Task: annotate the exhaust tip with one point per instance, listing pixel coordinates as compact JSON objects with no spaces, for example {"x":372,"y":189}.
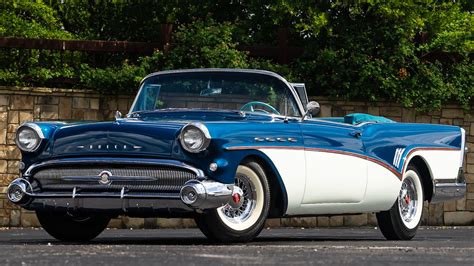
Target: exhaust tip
{"x":17,"y":191}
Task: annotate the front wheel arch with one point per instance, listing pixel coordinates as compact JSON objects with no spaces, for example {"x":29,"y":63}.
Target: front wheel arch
{"x":278,"y":199}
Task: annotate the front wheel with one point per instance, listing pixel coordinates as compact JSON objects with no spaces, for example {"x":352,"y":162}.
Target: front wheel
{"x":72,"y":228}
{"x":227,"y":224}
{"x":402,"y":220}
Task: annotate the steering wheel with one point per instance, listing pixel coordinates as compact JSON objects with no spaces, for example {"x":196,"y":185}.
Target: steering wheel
{"x":250,"y":107}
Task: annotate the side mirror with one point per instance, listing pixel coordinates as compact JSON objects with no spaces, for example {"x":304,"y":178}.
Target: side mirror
{"x":312,"y":108}
{"x":118,"y":115}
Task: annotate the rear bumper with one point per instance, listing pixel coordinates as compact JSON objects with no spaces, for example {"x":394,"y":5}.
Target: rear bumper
{"x":449,"y":189}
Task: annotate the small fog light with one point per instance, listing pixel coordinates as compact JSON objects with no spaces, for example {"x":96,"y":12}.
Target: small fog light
{"x":213,"y":167}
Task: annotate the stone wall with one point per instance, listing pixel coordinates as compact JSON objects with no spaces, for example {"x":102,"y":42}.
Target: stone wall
{"x":18,"y":105}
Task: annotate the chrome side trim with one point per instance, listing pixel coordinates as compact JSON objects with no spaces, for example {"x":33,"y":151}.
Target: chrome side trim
{"x":463,"y":147}
{"x":450,"y":189}
{"x":88,"y":161}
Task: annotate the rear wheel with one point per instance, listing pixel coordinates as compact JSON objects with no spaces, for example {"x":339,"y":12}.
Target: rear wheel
{"x":402,"y":220}
{"x":227,"y":224}
{"x":68,"y":227}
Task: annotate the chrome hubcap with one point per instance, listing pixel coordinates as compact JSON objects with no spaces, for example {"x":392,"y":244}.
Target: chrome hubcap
{"x":408,"y":200}
{"x":241,"y":214}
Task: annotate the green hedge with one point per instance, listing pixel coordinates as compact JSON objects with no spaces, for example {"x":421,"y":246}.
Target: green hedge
{"x":418,"y":54}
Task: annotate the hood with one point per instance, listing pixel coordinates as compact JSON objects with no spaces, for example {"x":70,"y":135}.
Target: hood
{"x":121,"y":138}
{"x":151,"y":134}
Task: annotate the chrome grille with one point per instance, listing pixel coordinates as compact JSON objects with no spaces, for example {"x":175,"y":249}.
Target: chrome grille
{"x":133,"y":178}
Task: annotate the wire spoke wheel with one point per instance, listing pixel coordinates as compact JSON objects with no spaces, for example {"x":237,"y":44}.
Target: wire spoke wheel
{"x":241,"y":214}
{"x":408,"y":200}
{"x":246,"y":215}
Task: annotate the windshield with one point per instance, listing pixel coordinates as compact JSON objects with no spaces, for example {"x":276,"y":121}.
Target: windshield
{"x":249,"y":92}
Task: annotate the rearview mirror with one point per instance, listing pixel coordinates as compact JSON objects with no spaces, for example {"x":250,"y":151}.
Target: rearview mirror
{"x":311,"y":108}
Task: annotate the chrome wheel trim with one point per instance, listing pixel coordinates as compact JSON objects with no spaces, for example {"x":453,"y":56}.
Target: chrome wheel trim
{"x":410,"y":200}
{"x":247,"y":215}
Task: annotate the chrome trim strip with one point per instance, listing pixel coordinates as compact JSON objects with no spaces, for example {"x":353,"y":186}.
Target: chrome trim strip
{"x":87,"y":161}
{"x":111,"y":178}
{"x":463,"y":146}
{"x":121,"y":195}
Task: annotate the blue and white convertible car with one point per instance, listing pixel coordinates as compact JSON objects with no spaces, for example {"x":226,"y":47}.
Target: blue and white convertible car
{"x":231,"y":148}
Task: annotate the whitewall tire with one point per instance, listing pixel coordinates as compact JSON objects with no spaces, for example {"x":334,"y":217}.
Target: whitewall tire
{"x":227,"y":224}
{"x":402,"y":220}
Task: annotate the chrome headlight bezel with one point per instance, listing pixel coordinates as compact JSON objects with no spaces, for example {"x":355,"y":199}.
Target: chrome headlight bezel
{"x":203,"y":133}
{"x":37,"y":133}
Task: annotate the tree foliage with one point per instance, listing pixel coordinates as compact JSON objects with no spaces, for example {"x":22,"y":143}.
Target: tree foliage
{"x":416,"y":53}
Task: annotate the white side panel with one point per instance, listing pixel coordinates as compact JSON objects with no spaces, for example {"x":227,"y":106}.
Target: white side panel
{"x":291,"y":167}
{"x":334,"y":178}
{"x":444,"y":164}
{"x":382,"y":184}
{"x":382,"y":191}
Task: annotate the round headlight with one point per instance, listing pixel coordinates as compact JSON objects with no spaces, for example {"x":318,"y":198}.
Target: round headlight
{"x":27,"y":139}
{"x":195,"y":137}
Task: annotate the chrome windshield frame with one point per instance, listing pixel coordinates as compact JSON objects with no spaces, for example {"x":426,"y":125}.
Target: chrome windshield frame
{"x":223,"y":70}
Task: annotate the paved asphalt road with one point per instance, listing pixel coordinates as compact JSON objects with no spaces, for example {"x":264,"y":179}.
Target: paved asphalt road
{"x":362,"y":246}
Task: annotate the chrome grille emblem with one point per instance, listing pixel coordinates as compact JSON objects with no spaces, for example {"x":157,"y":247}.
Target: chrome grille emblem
{"x":109,"y":147}
{"x":104,"y":178}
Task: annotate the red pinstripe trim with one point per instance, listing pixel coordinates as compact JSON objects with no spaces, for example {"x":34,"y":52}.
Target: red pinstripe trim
{"x":385,"y":165}
{"x":365,"y":157}
{"x":381,"y":163}
{"x":425,"y":149}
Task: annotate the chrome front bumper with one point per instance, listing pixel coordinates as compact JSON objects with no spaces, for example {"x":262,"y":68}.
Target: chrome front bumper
{"x":194,"y":196}
{"x":76,"y":192}
{"x":449,"y":189}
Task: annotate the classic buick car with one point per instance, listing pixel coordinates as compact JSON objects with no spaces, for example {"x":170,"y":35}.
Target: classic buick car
{"x":231,"y":148}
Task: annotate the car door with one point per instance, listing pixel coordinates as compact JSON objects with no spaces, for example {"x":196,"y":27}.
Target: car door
{"x":336,"y":167}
